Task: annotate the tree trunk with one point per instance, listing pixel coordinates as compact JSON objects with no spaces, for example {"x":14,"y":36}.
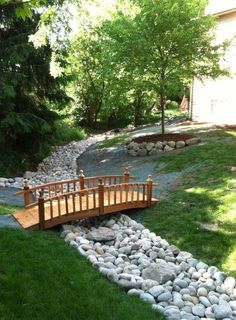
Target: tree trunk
{"x":162,"y":105}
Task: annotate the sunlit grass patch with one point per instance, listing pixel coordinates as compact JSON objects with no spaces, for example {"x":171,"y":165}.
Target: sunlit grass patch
{"x":8,"y":209}
{"x":207,"y":195}
{"x":113,"y":141}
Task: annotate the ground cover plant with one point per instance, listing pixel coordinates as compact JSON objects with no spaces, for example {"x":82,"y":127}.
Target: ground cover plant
{"x":199,"y":215}
{"x":43,"y":278}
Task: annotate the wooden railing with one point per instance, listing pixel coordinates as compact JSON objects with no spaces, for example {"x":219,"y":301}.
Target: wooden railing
{"x":90,"y":202}
{"x":74,"y":199}
{"x":31,"y":194}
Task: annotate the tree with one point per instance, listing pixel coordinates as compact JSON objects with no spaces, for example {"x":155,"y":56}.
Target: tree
{"x":27,"y":90}
{"x":167,"y":42}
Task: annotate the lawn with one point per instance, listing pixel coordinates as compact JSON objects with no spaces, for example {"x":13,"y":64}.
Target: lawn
{"x":200,"y":215}
{"x":7,"y":208}
{"x":42,"y":278}
{"x":113,"y":141}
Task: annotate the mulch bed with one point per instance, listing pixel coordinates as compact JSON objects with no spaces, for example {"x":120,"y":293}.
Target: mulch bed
{"x":166,"y":137}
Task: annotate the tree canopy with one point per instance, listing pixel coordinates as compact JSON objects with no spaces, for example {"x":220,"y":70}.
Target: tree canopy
{"x":119,"y":62}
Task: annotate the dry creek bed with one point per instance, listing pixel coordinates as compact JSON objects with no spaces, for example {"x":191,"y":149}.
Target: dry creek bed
{"x":145,"y":265}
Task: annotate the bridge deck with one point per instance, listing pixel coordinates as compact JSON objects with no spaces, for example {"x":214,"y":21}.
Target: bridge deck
{"x":83,"y":207}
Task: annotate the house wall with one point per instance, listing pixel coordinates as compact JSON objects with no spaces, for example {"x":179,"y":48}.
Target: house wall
{"x":215,"y":101}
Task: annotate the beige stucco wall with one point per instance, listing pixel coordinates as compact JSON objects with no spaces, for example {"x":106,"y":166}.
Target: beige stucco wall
{"x":215,"y":101}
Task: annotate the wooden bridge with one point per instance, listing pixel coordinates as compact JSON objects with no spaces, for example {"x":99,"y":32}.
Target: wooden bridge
{"x":59,"y":202}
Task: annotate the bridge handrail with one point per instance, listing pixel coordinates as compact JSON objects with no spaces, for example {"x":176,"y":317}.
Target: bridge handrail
{"x":60,"y":187}
{"x":97,"y":203}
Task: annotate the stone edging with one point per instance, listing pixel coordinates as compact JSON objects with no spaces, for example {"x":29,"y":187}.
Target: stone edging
{"x":147,"y":266}
{"x":149,"y":148}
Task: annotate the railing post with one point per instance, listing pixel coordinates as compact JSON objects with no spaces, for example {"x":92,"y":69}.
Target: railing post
{"x":126,"y":175}
{"x":126,"y":180}
{"x":101,"y":196}
{"x":81,"y":179}
{"x":26,"y":193}
{"x":41,"y":211}
{"x":149,"y":190}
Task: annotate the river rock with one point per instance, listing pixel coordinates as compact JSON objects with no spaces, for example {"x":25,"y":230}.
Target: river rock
{"x":147,"y":297}
{"x":101,"y":234}
{"x":180,"y":144}
{"x":161,"y":272}
{"x":222,"y":310}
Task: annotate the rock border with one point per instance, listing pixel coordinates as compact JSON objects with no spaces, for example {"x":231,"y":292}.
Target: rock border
{"x":142,"y":149}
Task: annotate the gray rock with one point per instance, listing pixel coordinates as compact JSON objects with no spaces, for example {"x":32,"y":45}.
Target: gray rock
{"x":147,"y":284}
{"x":222,"y":310}
{"x":192,"y":141}
{"x":142,"y":152}
{"x":128,"y":284}
{"x":229,"y":284}
{"x":183,"y":256}
{"x":160,"y":271}
{"x":159,"y":145}
{"x":134,"y":292}
{"x":172,"y":313}
{"x":181,"y":283}
{"x":180,"y":144}
{"x":168,"y":148}
{"x":171,"y":144}
{"x":147,"y":297}
{"x":204,"y":301}
{"x":133,"y":153}
{"x":202,"y":292}
{"x":166,"y":296}
{"x":201,"y":265}
{"x":150,"y":146}
{"x":101,"y":234}
{"x":156,"y":290}
{"x":198,"y":310}
{"x":233,"y":305}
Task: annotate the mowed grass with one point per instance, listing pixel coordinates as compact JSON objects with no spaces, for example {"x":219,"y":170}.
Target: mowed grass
{"x":8,"y":209}
{"x":113,"y":141}
{"x":206,"y":199}
{"x":41,"y":277}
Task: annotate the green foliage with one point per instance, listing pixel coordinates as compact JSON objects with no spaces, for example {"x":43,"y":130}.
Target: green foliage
{"x":54,"y":282}
{"x":66,"y":133}
{"x":164,"y":44}
{"x":27,"y":94}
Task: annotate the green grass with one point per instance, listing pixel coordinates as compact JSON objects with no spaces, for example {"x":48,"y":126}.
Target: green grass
{"x":8,"y":209}
{"x":113,"y":141}
{"x":207,"y":195}
{"x":41,"y":277}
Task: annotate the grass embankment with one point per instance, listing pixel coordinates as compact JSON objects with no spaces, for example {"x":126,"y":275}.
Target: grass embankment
{"x":42,"y":278}
{"x":206,"y":199}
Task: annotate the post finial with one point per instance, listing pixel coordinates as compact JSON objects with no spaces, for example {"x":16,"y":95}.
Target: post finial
{"x":126,"y":170}
{"x":81,"y":173}
{"x":149,"y":178}
{"x":41,"y":193}
{"x":26,"y":183}
{"x":100,"y":181}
